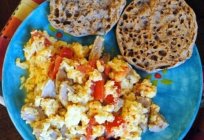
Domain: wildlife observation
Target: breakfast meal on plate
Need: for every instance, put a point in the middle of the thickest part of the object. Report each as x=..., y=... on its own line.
x=85, y=17
x=74, y=92
x=156, y=34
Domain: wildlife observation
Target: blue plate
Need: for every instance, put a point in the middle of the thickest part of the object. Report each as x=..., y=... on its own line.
x=179, y=89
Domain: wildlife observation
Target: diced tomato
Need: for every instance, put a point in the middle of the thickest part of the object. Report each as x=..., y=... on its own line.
x=92, y=63
x=47, y=42
x=51, y=67
x=98, y=92
x=53, y=57
x=107, y=70
x=102, y=138
x=116, y=123
x=118, y=85
x=54, y=67
x=105, y=77
x=89, y=129
x=88, y=132
x=67, y=52
x=92, y=121
x=109, y=99
x=85, y=68
x=118, y=113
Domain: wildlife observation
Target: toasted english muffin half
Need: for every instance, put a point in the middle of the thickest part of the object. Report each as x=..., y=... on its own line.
x=157, y=34
x=85, y=17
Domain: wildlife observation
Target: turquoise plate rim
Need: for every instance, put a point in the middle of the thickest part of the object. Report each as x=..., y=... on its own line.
x=10, y=108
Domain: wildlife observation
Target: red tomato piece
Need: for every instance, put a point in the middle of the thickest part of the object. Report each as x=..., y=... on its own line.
x=88, y=132
x=102, y=138
x=116, y=123
x=67, y=52
x=118, y=85
x=92, y=63
x=85, y=68
x=89, y=129
x=98, y=92
x=47, y=42
x=53, y=57
x=54, y=67
x=51, y=67
x=92, y=121
x=107, y=70
x=109, y=99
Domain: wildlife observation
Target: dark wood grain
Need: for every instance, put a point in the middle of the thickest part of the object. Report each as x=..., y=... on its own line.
x=200, y=38
x=197, y=6
x=7, y=129
x=6, y=9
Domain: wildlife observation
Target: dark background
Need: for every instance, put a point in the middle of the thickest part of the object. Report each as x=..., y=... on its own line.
x=8, y=131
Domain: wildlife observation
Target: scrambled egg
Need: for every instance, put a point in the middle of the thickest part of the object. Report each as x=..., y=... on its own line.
x=72, y=97
x=101, y=113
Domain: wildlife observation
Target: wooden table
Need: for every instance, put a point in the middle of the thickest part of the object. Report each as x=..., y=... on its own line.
x=7, y=129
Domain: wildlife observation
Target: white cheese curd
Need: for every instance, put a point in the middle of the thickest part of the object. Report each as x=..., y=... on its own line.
x=95, y=76
x=109, y=108
x=56, y=121
x=101, y=117
x=129, y=81
x=37, y=101
x=101, y=113
x=77, y=130
x=134, y=114
x=110, y=89
x=120, y=69
x=146, y=89
x=82, y=94
x=44, y=130
x=98, y=131
x=50, y=106
x=74, y=115
x=50, y=134
x=72, y=73
x=118, y=131
x=76, y=76
x=43, y=56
